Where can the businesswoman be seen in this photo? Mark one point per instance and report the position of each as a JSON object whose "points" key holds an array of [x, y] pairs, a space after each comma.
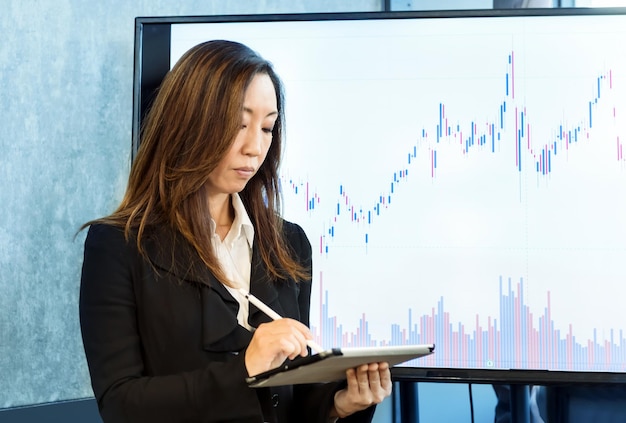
{"points": [[167, 336]]}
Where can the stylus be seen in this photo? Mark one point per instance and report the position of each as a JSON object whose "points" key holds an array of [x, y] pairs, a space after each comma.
{"points": [[275, 316]]}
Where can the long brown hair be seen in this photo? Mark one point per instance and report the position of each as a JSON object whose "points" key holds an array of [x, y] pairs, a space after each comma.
{"points": [[189, 128]]}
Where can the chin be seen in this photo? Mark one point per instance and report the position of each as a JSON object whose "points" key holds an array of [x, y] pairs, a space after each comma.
{"points": [[239, 188]]}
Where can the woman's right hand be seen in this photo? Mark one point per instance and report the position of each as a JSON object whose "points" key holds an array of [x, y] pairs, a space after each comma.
{"points": [[272, 343]]}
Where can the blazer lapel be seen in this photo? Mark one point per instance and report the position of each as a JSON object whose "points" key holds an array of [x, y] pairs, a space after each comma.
{"points": [[262, 287], [220, 330], [170, 253]]}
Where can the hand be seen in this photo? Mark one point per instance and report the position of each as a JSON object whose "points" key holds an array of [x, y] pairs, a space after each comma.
{"points": [[274, 342], [368, 384]]}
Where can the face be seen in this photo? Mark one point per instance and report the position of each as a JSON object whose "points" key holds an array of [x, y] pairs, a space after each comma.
{"points": [[248, 152]]}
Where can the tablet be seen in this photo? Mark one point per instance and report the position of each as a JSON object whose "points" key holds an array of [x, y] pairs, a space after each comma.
{"points": [[331, 365]]}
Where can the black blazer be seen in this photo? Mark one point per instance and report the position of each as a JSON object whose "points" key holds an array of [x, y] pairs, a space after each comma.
{"points": [[162, 340]]}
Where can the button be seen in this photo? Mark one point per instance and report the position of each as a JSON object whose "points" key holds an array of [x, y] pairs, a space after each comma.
{"points": [[275, 400]]}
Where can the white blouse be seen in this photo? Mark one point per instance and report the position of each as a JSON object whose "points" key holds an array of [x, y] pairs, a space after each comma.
{"points": [[235, 255]]}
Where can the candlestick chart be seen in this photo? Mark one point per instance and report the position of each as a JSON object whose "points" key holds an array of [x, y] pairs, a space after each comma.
{"points": [[479, 206]]}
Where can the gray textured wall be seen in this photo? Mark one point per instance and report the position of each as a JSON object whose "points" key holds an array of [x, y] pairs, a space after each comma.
{"points": [[66, 69]]}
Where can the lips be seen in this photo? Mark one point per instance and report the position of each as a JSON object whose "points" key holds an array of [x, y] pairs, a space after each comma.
{"points": [[245, 171]]}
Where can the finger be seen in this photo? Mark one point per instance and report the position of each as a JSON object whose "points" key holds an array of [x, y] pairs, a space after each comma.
{"points": [[385, 377], [301, 334], [362, 375], [281, 337], [374, 376], [299, 326], [301, 331], [292, 336], [297, 346], [351, 379]]}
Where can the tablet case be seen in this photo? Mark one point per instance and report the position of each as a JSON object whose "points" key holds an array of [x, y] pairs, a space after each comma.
{"points": [[331, 365]]}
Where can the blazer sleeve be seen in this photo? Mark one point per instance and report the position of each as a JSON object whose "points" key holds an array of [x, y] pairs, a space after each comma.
{"points": [[113, 349], [314, 402]]}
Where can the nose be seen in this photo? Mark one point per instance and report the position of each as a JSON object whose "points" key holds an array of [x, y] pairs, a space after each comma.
{"points": [[253, 142]]}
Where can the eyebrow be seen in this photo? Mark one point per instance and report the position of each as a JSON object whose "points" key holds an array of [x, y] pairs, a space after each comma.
{"points": [[249, 110]]}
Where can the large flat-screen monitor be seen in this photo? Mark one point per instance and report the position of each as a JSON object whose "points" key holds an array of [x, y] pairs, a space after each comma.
{"points": [[461, 176]]}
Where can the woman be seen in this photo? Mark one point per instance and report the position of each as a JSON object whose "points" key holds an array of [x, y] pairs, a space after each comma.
{"points": [[167, 336]]}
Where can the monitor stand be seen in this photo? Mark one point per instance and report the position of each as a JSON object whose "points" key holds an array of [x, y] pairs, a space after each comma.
{"points": [[520, 404]]}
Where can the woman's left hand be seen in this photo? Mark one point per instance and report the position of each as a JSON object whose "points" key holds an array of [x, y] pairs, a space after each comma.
{"points": [[368, 384]]}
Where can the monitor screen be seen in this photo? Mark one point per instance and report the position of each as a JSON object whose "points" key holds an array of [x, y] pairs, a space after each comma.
{"points": [[460, 175]]}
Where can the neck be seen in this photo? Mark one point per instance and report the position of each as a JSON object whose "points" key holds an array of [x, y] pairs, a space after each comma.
{"points": [[222, 211]]}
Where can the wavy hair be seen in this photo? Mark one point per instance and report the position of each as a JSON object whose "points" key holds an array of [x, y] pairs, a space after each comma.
{"points": [[188, 129]]}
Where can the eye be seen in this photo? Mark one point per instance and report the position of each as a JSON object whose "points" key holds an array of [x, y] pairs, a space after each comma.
{"points": [[268, 126]]}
